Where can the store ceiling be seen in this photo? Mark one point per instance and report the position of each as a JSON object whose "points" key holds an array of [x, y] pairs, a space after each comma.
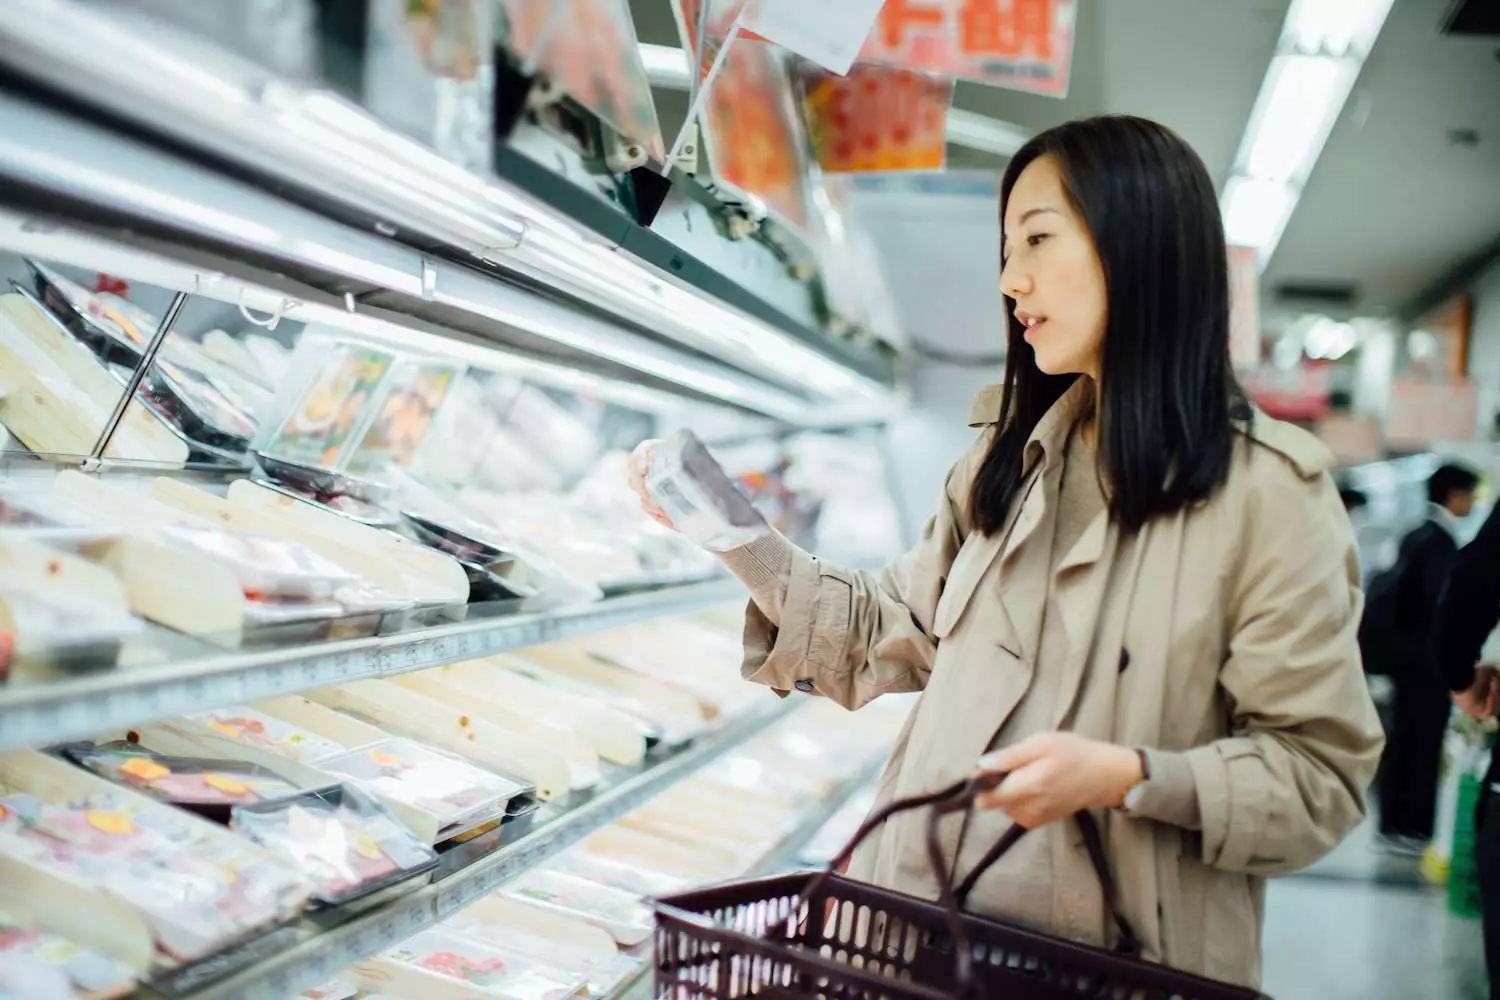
{"points": [[1393, 204]]}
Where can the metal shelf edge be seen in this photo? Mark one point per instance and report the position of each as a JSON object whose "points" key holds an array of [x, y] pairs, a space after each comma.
{"points": [[321, 957], [45, 713]]}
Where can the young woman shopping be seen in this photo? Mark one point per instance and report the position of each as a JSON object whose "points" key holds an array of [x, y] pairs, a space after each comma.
{"points": [[1138, 595]]}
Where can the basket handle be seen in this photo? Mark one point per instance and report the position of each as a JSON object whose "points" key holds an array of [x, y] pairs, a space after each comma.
{"points": [[960, 796], [952, 900]]}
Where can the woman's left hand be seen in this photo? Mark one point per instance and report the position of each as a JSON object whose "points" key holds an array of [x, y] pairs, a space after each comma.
{"points": [[1051, 776]]}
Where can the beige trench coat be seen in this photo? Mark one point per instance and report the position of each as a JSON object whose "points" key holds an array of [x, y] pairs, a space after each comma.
{"points": [[1225, 634]]}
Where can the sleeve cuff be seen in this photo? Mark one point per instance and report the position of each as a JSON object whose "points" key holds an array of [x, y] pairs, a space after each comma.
{"points": [[765, 567], [1171, 796]]}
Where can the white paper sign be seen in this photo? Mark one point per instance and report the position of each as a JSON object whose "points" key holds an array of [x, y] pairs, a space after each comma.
{"points": [[829, 32]]}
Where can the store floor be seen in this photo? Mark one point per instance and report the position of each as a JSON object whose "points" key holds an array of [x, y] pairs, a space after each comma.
{"points": [[1362, 925]]}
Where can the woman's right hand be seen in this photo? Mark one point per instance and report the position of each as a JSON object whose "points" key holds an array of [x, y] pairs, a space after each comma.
{"points": [[639, 464]]}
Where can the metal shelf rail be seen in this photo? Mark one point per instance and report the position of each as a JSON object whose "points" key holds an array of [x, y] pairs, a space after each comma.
{"points": [[78, 706]]}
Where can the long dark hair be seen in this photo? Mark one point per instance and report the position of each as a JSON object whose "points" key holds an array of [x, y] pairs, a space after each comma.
{"points": [[1168, 394]]}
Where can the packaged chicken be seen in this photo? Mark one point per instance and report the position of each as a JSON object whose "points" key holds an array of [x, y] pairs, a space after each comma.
{"points": [[459, 794], [37, 965], [210, 788], [620, 913], [483, 969], [341, 840], [197, 888]]}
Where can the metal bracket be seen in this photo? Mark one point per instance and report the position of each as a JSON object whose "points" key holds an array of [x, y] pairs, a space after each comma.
{"points": [[148, 358]]}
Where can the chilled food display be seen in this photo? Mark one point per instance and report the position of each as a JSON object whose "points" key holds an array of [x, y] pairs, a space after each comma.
{"points": [[333, 408]]}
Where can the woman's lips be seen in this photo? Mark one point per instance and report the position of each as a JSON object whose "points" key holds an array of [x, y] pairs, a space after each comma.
{"points": [[1033, 324]]}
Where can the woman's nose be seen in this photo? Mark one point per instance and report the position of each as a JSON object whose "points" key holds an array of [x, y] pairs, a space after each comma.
{"points": [[1013, 282]]}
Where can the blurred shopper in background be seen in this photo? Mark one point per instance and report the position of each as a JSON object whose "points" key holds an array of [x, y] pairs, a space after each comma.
{"points": [[1396, 637], [1466, 615]]}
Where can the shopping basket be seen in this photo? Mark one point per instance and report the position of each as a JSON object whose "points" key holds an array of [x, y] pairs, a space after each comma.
{"points": [[758, 937]]}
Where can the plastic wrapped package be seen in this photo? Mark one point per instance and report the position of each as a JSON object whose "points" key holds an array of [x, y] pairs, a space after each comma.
{"points": [[620, 913], [254, 728], [482, 968], [35, 965], [461, 795], [547, 940], [198, 894], [619, 874], [283, 581], [345, 843], [48, 520], [699, 497], [334, 990], [210, 788], [57, 608]]}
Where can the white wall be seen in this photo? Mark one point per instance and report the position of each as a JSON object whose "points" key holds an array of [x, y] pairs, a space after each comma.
{"points": [[1484, 349]]}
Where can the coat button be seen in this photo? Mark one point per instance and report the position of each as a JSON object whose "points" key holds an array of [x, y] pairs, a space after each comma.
{"points": [[804, 685]]}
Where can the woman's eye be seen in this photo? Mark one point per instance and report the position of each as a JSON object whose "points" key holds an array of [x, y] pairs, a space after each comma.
{"points": [[1036, 239]]}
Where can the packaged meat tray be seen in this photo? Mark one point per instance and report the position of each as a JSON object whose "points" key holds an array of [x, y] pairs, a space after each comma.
{"points": [[197, 893], [620, 913], [489, 970], [210, 788], [344, 842], [459, 794], [35, 965]]}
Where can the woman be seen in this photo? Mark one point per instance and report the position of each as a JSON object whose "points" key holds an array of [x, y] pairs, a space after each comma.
{"points": [[1138, 596]]}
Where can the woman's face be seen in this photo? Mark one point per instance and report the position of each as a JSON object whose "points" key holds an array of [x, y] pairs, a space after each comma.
{"points": [[1052, 275]]}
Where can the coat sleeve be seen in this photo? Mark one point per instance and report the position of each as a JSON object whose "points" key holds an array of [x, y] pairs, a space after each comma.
{"points": [[1289, 782], [850, 635]]}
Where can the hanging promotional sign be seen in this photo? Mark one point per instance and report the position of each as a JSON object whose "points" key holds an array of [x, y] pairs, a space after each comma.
{"points": [[1020, 44], [876, 119], [828, 32], [753, 138], [589, 49]]}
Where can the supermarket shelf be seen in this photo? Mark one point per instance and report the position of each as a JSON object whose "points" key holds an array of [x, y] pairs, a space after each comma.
{"points": [[323, 150], [77, 706], [319, 955]]}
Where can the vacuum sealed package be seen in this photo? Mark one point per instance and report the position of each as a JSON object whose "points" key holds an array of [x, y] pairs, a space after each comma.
{"points": [[210, 788], [621, 914], [197, 893], [459, 794], [257, 729], [699, 497], [31, 957], [344, 842], [488, 970]]}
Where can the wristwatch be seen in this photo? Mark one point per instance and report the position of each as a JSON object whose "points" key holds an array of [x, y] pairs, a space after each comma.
{"points": [[1138, 790]]}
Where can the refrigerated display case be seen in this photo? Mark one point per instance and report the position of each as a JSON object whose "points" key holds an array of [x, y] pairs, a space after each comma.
{"points": [[334, 651]]}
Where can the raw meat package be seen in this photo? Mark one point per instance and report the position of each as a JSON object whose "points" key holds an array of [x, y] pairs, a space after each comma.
{"points": [[560, 941], [461, 795], [485, 969], [210, 788], [701, 500], [344, 842], [254, 728], [620, 913], [36, 965], [198, 893]]}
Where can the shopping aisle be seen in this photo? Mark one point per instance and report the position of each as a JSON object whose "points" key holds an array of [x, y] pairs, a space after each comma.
{"points": [[1364, 926]]}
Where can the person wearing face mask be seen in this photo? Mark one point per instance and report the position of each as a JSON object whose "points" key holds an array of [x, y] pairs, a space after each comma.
{"points": [[1138, 596]]}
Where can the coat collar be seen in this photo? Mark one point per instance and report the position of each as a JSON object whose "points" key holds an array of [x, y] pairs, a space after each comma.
{"points": [[1050, 437]]}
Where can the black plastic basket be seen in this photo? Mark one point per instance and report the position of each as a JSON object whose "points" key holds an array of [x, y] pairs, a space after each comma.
{"points": [[759, 938]]}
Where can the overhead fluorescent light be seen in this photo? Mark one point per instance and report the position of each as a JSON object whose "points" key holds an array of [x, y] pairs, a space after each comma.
{"points": [[1256, 211], [1322, 48], [667, 66], [1336, 27], [1303, 97]]}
